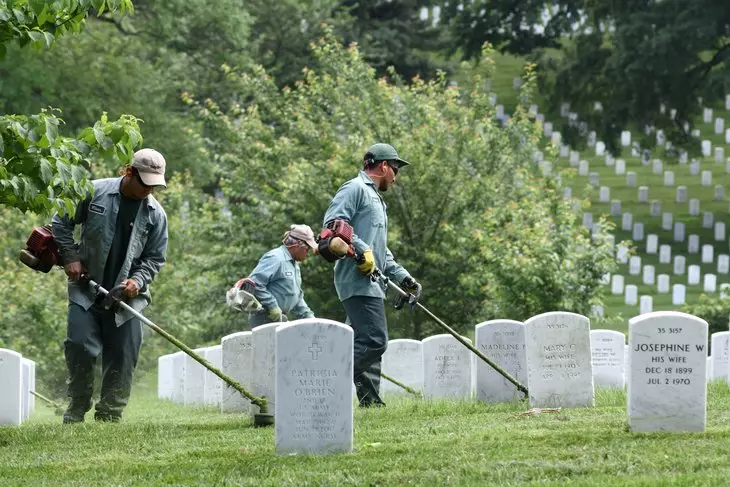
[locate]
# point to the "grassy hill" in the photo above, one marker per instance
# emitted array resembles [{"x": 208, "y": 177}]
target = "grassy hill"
[
  {"x": 409, "y": 442},
  {"x": 509, "y": 67}
]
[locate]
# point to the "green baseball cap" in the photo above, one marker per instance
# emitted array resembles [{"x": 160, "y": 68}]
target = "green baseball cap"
[{"x": 385, "y": 152}]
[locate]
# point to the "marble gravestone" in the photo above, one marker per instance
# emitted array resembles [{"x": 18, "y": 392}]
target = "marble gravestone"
[
  {"x": 446, "y": 368},
  {"x": 165, "y": 376},
  {"x": 237, "y": 363},
  {"x": 195, "y": 379},
  {"x": 559, "y": 372},
  {"x": 263, "y": 339},
  {"x": 213, "y": 385},
  {"x": 178, "y": 379},
  {"x": 503, "y": 342},
  {"x": 719, "y": 343},
  {"x": 403, "y": 361},
  {"x": 314, "y": 407},
  {"x": 667, "y": 388},
  {"x": 11, "y": 378},
  {"x": 607, "y": 358}
]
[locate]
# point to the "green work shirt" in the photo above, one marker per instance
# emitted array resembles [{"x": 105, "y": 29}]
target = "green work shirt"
[
  {"x": 359, "y": 202},
  {"x": 279, "y": 283}
]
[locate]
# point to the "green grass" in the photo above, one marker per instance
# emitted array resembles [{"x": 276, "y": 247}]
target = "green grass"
[{"x": 409, "y": 442}]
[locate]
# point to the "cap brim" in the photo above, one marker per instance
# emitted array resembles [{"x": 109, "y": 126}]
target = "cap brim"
[
  {"x": 312, "y": 244},
  {"x": 152, "y": 179},
  {"x": 401, "y": 162}
]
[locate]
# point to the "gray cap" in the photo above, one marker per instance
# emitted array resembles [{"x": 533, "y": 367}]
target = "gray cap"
[
  {"x": 303, "y": 233},
  {"x": 151, "y": 167},
  {"x": 385, "y": 152}
]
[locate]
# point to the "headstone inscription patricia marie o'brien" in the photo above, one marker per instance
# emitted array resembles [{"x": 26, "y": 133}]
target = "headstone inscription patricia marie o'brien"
[{"x": 667, "y": 388}]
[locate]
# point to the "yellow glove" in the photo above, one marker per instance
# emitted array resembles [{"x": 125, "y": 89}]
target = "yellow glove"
[
  {"x": 274, "y": 314},
  {"x": 366, "y": 264}
]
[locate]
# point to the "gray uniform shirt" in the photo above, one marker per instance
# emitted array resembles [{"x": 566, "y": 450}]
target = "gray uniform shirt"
[
  {"x": 97, "y": 216},
  {"x": 359, "y": 202},
  {"x": 279, "y": 283}
]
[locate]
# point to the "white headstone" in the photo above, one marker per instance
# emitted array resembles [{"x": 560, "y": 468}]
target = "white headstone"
[
  {"x": 631, "y": 295},
  {"x": 631, "y": 179},
  {"x": 648, "y": 274},
  {"x": 620, "y": 168},
  {"x": 583, "y": 168},
  {"x": 194, "y": 379},
  {"x": 708, "y": 218},
  {"x": 567, "y": 192},
  {"x": 693, "y": 244},
  {"x": 635, "y": 265},
  {"x": 667, "y": 386},
  {"x": 706, "y": 178},
  {"x": 719, "y": 350},
  {"x": 681, "y": 194},
  {"x": 556, "y": 138},
  {"x": 678, "y": 294},
  {"x": 667, "y": 221},
  {"x": 719, "y": 192},
  {"x": 607, "y": 358},
  {"x": 656, "y": 207},
  {"x": 707, "y": 115},
  {"x": 446, "y": 368},
  {"x": 707, "y": 254},
  {"x": 637, "y": 233},
  {"x": 693, "y": 275},
  {"x": 627, "y": 222},
  {"x": 646, "y": 304},
  {"x": 403, "y": 360},
  {"x": 11, "y": 378},
  {"x": 683, "y": 157},
  {"x": 25, "y": 394},
  {"x": 719, "y": 155},
  {"x": 652, "y": 242},
  {"x": 724, "y": 290},
  {"x": 263, "y": 339},
  {"x": 622, "y": 254},
  {"x": 679, "y": 232},
  {"x": 617, "y": 284},
  {"x": 709, "y": 373},
  {"x": 594, "y": 179},
  {"x": 694, "y": 207},
  {"x": 643, "y": 194},
  {"x": 213, "y": 384},
  {"x": 680, "y": 262},
  {"x": 665, "y": 254},
  {"x": 615, "y": 207},
  {"x": 663, "y": 283},
  {"x": 719, "y": 231},
  {"x": 178, "y": 384},
  {"x": 237, "y": 363},
  {"x": 710, "y": 283},
  {"x": 559, "y": 372},
  {"x": 604, "y": 194},
  {"x": 588, "y": 220},
  {"x": 625, "y": 138},
  {"x": 723, "y": 264},
  {"x": 503, "y": 341},
  {"x": 727, "y": 103},
  {"x": 657, "y": 167},
  {"x": 165, "y": 377},
  {"x": 574, "y": 158},
  {"x": 548, "y": 129},
  {"x": 719, "y": 126},
  {"x": 694, "y": 167},
  {"x": 668, "y": 178},
  {"x": 313, "y": 387}
]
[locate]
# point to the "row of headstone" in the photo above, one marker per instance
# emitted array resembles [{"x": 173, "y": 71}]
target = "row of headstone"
[{"x": 17, "y": 380}]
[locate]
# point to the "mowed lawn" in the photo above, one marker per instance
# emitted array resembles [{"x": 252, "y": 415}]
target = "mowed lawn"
[{"x": 410, "y": 442}]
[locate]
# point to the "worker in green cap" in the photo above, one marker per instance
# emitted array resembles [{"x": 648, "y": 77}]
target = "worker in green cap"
[{"x": 359, "y": 202}]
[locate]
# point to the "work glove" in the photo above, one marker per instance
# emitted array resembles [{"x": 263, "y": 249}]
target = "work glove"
[
  {"x": 413, "y": 288},
  {"x": 366, "y": 263},
  {"x": 274, "y": 314}
]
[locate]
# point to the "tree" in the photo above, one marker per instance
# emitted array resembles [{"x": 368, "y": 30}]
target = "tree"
[{"x": 39, "y": 169}]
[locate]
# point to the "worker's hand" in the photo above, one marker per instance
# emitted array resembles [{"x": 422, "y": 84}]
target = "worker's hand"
[
  {"x": 274, "y": 315},
  {"x": 74, "y": 270},
  {"x": 366, "y": 264},
  {"x": 411, "y": 286},
  {"x": 131, "y": 290}
]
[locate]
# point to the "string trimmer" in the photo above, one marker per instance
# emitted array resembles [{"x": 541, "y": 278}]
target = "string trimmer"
[
  {"x": 41, "y": 254},
  {"x": 335, "y": 243}
]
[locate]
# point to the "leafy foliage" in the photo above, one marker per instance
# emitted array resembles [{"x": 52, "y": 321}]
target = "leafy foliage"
[{"x": 715, "y": 310}]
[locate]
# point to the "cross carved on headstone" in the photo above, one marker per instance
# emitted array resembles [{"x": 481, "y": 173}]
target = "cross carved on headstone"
[{"x": 315, "y": 350}]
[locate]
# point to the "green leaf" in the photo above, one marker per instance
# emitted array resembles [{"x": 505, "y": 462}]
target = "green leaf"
[
  {"x": 37, "y": 6},
  {"x": 48, "y": 38},
  {"x": 3, "y": 50},
  {"x": 46, "y": 170},
  {"x": 34, "y": 35},
  {"x": 51, "y": 129}
]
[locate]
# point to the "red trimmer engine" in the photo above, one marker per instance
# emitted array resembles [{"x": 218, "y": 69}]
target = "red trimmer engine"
[
  {"x": 335, "y": 241},
  {"x": 41, "y": 252}
]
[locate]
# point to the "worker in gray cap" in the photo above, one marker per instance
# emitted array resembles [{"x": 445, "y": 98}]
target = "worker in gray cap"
[
  {"x": 278, "y": 279},
  {"x": 122, "y": 245}
]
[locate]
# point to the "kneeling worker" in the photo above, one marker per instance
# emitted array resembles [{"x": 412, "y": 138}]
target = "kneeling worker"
[{"x": 278, "y": 279}]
